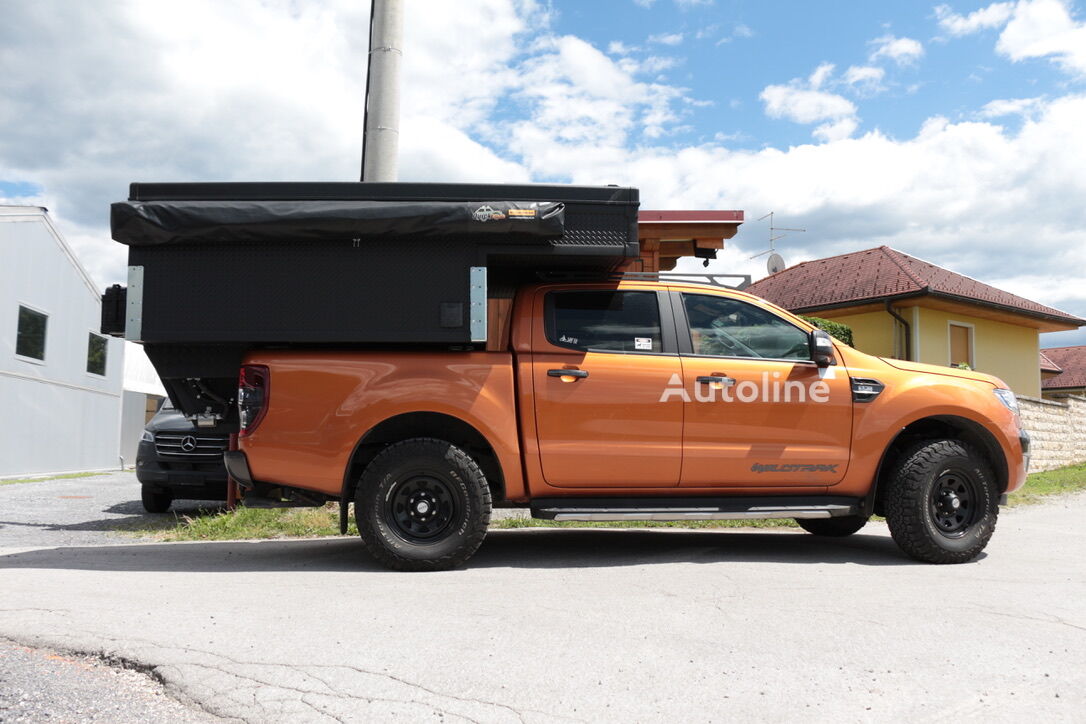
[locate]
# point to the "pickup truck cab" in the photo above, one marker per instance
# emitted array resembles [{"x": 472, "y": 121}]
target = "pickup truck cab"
[{"x": 630, "y": 400}]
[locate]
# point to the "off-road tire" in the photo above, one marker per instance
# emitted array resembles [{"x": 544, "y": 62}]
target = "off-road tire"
[
  {"x": 838, "y": 527},
  {"x": 401, "y": 540},
  {"x": 155, "y": 501},
  {"x": 913, "y": 510}
]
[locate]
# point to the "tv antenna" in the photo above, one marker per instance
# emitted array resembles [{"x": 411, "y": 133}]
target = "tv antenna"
[{"x": 775, "y": 261}]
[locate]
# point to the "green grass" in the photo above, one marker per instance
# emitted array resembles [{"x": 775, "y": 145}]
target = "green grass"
[
  {"x": 259, "y": 523},
  {"x": 1040, "y": 486},
  {"x": 248, "y": 523},
  {"x": 51, "y": 477}
]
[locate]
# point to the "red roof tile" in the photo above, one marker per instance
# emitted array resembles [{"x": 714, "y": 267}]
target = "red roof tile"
[
  {"x": 1072, "y": 360},
  {"x": 1047, "y": 365},
  {"x": 882, "y": 273}
]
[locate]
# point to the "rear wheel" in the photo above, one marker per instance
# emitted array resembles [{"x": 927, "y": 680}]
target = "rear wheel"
[
  {"x": 422, "y": 505},
  {"x": 155, "y": 501},
  {"x": 833, "y": 527},
  {"x": 941, "y": 504}
]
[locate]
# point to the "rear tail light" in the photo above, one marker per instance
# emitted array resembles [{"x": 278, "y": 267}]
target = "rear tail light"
[{"x": 252, "y": 396}]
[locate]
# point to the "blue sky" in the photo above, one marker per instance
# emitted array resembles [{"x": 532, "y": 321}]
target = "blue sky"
[
  {"x": 726, "y": 52},
  {"x": 952, "y": 130}
]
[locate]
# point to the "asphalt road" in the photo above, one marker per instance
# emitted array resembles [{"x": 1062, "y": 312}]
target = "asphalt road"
[{"x": 589, "y": 625}]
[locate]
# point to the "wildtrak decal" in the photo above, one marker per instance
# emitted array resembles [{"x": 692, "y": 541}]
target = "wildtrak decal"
[{"x": 793, "y": 468}]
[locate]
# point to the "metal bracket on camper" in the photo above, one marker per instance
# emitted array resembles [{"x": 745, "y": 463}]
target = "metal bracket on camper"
[
  {"x": 477, "y": 299},
  {"x": 207, "y": 418},
  {"x": 133, "y": 327}
]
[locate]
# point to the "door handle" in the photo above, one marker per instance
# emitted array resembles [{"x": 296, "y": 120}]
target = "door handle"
[
  {"x": 722, "y": 380},
  {"x": 568, "y": 375}
]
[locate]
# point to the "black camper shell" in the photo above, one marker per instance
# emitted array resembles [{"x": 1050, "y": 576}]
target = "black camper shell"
[{"x": 216, "y": 269}]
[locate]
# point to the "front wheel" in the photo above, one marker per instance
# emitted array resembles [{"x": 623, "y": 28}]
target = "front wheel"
[
  {"x": 941, "y": 503},
  {"x": 422, "y": 505},
  {"x": 155, "y": 501},
  {"x": 838, "y": 527}
]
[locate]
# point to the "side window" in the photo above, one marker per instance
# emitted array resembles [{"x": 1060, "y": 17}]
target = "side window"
[
  {"x": 604, "y": 320},
  {"x": 723, "y": 327},
  {"x": 30, "y": 337},
  {"x": 96, "y": 354}
]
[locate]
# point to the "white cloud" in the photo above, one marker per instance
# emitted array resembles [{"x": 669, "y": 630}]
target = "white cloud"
[
  {"x": 667, "y": 38},
  {"x": 1045, "y": 29},
  {"x": 804, "y": 106},
  {"x": 657, "y": 64},
  {"x": 903, "y": 51},
  {"x": 836, "y": 130},
  {"x": 739, "y": 31},
  {"x": 864, "y": 78},
  {"x": 992, "y": 16},
  {"x": 1010, "y": 107},
  {"x": 820, "y": 75},
  {"x": 805, "y": 102}
]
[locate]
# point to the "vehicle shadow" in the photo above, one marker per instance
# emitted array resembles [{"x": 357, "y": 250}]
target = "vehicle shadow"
[
  {"x": 130, "y": 518},
  {"x": 527, "y": 548}
]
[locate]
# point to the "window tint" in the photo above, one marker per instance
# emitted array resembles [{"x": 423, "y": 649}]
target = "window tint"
[
  {"x": 724, "y": 327},
  {"x": 604, "y": 320},
  {"x": 96, "y": 354},
  {"x": 30, "y": 339}
]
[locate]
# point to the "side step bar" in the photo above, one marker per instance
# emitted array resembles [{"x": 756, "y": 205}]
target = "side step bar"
[{"x": 593, "y": 509}]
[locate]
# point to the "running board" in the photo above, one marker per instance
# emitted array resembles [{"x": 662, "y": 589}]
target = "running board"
[{"x": 677, "y": 509}]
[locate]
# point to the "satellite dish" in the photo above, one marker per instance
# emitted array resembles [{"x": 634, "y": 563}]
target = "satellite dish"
[{"x": 776, "y": 263}]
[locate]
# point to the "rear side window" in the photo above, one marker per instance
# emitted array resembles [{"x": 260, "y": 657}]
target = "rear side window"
[
  {"x": 724, "y": 327},
  {"x": 604, "y": 320}
]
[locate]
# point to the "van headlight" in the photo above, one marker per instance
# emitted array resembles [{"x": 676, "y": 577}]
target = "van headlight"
[
  {"x": 1008, "y": 399},
  {"x": 147, "y": 436}
]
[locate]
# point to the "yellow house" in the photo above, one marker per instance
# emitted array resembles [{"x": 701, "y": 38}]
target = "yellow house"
[{"x": 903, "y": 307}]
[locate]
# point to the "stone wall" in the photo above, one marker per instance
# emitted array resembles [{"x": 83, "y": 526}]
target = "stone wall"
[{"x": 1058, "y": 430}]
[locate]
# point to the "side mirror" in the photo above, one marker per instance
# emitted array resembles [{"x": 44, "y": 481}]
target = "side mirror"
[{"x": 822, "y": 348}]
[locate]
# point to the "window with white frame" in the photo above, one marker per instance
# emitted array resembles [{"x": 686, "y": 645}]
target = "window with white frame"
[
  {"x": 96, "y": 354},
  {"x": 961, "y": 345},
  {"x": 30, "y": 335}
]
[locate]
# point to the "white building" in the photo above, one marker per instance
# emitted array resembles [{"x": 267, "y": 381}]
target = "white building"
[{"x": 61, "y": 382}]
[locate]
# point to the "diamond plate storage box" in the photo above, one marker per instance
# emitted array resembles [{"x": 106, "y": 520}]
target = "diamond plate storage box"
[{"x": 217, "y": 268}]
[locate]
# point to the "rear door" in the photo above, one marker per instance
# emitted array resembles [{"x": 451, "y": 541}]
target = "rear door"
[
  {"x": 759, "y": 412},
  {"x": 602, "y": 360}
]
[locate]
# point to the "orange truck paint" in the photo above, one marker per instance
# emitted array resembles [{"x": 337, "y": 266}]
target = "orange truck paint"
[{"x": 607, "y": 434}]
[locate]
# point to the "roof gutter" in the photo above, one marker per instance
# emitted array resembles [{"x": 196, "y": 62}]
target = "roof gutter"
[
  {"x": 952, "y": 297},
  {"x": 908, "y": 329}
]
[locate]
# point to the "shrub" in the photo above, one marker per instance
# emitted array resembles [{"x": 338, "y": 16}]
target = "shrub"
[{"x": 842, "y": 332}]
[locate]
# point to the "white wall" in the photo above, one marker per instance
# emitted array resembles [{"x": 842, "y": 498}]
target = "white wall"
[{"x": 54, "y": 415}]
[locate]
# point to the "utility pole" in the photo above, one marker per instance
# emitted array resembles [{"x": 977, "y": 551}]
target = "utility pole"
[{"x": 381, "y": 137}]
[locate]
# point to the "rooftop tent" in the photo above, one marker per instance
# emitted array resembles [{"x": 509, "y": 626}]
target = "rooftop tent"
[{"x": 218, "y": 268}]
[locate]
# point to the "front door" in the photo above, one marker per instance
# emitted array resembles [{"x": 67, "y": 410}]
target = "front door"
[
  {"x": 600, "y": 365},
  {"x": 758, "y": 410}
]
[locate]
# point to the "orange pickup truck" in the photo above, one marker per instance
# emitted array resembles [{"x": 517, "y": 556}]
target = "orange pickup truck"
[
  {"x": 634, "y": 400},
  {"x": 431, "y": 351}
]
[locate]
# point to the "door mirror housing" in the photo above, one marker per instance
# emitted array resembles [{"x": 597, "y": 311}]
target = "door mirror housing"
[{"x": 822, "y": 350}]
